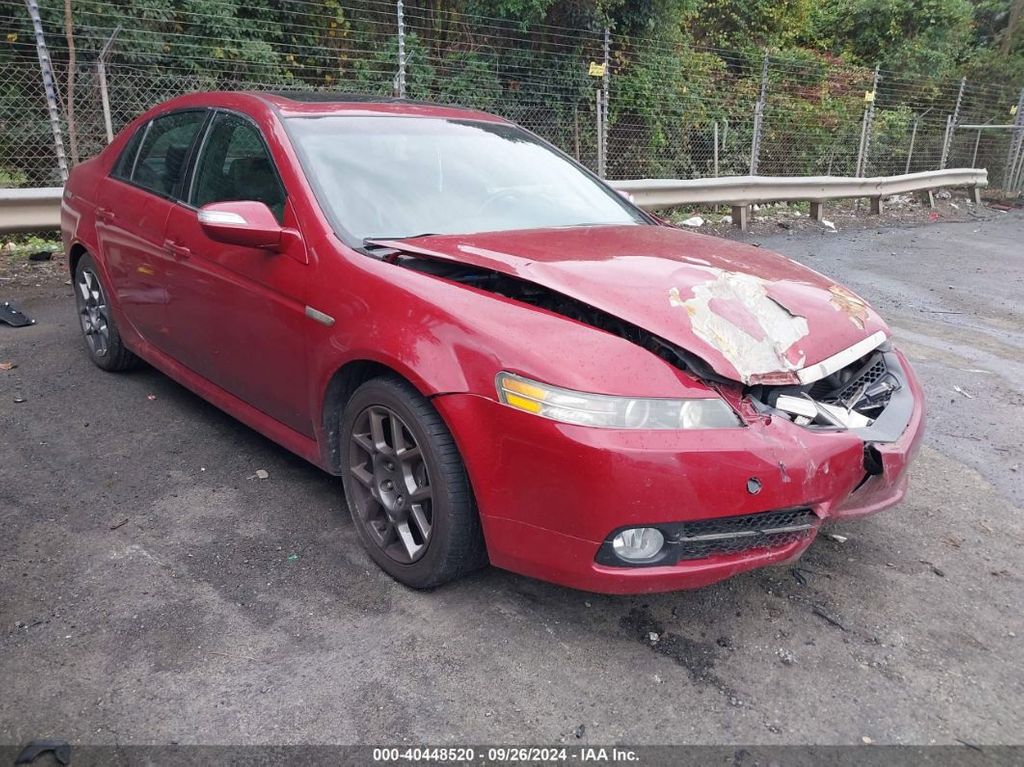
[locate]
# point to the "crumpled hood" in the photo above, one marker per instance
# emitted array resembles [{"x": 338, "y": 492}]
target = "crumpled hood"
[{"x": 752, "y": 315}]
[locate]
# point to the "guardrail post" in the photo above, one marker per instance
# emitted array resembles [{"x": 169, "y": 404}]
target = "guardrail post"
[
  {"x": 741, "y": 217},
  {"x": 400, "y": 77},
  {"x": 46, "y": 69},
  {"x": 817, "y": 210},
  {"x": 755, "y": 141},
  {"x": 876, "y": 206}
]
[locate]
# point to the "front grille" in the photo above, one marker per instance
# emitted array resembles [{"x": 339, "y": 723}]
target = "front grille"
[
  {"x": 872, "y": 372},
  {"x": 725, "y": 535},
  {"x": 731, "y": 535}
]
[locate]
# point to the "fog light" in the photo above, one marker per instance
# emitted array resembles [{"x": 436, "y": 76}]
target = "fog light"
[{"x": 638, "y": 543}]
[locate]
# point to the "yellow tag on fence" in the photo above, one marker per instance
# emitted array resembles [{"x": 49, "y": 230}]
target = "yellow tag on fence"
[
  {"x": 869, "y": 96},
  {"x": 596, "y": 70}
]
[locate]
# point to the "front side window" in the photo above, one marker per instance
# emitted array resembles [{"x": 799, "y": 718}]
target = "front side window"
[
  {"x": 399, "y": 176},
  {"x": 235, "y": 164},
  {"x": 160, "y": 164}
]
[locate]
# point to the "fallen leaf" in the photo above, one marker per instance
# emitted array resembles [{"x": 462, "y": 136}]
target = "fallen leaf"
[
  {"x": 7, "y": 366},
  {"x": 262, "y": 474}
]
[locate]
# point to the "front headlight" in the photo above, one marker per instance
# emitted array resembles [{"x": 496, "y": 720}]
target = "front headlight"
[{"x": 610, "y": 412}]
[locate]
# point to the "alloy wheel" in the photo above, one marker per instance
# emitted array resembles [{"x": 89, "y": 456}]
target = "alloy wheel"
[
  {"x": 393, "y": 498},
  {"x": 93, "y": 312}
]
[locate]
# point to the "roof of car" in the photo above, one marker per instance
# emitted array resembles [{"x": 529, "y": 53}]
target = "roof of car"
[{"x": 320, "y": 103}]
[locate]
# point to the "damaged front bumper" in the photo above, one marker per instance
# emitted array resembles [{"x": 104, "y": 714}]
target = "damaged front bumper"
[{"x": 552, "y": 495}]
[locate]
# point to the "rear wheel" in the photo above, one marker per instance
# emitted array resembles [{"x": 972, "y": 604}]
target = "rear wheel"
[
  {"x": 406, "y": 486},
  {"x": 98, "y": 327}
]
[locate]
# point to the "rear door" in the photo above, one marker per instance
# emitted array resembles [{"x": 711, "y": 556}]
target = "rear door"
[
  {"x": 133, "y": 205},
  {"x": 237, "y": 314}
]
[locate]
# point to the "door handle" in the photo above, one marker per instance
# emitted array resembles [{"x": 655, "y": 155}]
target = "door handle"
[
  {"x": 176, "y": 249},
  {"x": 105, "y": 214}
]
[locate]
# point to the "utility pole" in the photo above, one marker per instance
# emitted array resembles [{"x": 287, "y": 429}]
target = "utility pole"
[
  {"x": 401, "y": 52},
  {"x": 101, "y": 76},
  {"x": 1013, "y": 154},
  {"x": 716, "y": 148},
  {"x": 865, "y": 131},
  {"x": 910, "y": 151},
  {"x": 69, "y": 34},
  {"x": 602, "y": 161},
  {"x": 951, "y": 128},
  {"x": 913, "y": 136},
  {"x": 46, "y": 68},
  {"x": 755, "y": 141}
]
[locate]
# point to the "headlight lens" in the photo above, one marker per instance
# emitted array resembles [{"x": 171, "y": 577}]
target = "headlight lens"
[{"x": 610, "y": 412}]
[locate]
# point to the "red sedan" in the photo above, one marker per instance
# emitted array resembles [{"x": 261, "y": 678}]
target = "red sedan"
[{"x": 503, "y": 358}]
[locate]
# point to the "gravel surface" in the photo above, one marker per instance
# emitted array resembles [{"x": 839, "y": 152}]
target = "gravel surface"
[{"x": 154, "y": 590}]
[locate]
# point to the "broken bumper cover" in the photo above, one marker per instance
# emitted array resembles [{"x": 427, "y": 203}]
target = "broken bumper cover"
[{"x": 551, "y": 495}]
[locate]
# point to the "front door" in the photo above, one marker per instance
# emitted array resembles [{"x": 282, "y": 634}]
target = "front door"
[{"x": 237, "y": 314}]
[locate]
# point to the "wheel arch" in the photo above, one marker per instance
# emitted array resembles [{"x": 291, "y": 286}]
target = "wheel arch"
[
  {"x": 340, "y": 388},
  {"x": 75, "y": 253}
]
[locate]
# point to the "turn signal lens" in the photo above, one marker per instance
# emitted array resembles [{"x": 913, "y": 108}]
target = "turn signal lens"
[{"x": 609, "y": 412}]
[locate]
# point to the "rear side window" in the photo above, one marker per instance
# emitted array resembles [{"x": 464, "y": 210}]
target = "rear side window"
[
  {"x": 163, "y": 154},
  {"x": 123, "y": 167},
  {"x": 235, "y": 164}
]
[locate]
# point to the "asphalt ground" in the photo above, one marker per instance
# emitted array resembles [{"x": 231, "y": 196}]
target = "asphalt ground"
[{"x": 153, "y": 591}]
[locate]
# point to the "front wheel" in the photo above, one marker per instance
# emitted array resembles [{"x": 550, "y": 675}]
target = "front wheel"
[
  {"x": 99, "y": 330},
  {"x": 406, "y": 486}
]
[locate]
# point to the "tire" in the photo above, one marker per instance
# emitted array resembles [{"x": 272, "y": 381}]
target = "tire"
[
  {"x": 421, "y": 542},
  {"x": 99, "y": 331}
]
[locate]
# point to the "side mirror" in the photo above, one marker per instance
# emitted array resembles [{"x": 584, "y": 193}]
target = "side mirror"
[{"x": 246, "y": 222}]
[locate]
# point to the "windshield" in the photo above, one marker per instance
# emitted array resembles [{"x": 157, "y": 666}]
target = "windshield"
[{"x": 381, "y": 177}]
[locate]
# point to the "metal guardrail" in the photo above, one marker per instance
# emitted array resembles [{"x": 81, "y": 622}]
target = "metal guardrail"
[
  {"x": 30, "y": 210},
  {"x": 741, "y": 192},
  {"x": 27, "y": 210}
]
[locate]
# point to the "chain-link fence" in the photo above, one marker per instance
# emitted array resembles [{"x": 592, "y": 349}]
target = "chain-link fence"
[{"x": 668, "y": 109}]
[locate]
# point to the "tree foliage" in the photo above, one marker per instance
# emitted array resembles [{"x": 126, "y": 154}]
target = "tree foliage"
[{"x": 679, "y": 65}]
